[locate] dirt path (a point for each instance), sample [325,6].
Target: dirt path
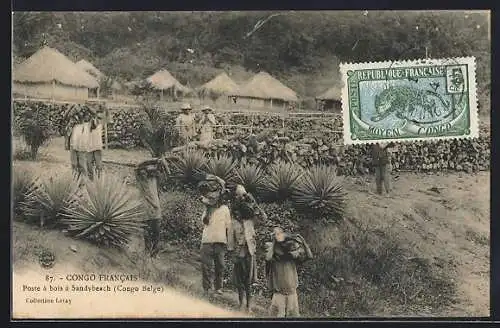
[76,257]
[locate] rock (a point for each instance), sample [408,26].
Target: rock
[73,248]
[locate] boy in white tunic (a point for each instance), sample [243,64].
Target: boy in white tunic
[95,146]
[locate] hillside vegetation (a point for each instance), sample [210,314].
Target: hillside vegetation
[303,49]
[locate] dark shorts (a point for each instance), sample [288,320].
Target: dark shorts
[244,271]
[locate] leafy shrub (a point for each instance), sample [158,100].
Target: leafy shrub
[107,213]
[188,166]
[320,193]
[222,166]
[22,182]
[181,224]
[281,181]
[251,177]
[48,198]
[35,128]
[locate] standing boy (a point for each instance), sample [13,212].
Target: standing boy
[95,146]
[282,256]
[79,140]
[245,213]
[217,227]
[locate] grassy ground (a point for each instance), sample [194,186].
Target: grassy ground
[447,228]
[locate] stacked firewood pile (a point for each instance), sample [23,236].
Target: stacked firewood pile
[303,140]
[55,112]
[123,129]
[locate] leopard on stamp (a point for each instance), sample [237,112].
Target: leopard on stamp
[409,101]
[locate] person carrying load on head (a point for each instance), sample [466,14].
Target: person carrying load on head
[283,254]
[79,142]
[245,213]
[148,174]
[186,125]
[95,144]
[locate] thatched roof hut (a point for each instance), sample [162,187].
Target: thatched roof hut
[48,73]
[330,100]
[333,93]
[89,68]
[163,80]
[264,86]
[221,85]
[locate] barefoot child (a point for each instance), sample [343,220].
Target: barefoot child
[245,212]
[282,256]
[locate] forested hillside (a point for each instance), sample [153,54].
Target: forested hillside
[301,48]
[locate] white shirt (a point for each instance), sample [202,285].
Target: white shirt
[219,226]
[80,137]
[95,142]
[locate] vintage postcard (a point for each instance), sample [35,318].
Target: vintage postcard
[224,164]
[409,100]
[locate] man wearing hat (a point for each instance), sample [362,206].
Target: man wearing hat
[186,124]
[207,123]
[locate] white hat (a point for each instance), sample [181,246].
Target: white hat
[207,109]
[186,106]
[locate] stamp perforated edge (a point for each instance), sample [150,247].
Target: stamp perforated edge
[473,104]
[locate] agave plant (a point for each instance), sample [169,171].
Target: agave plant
[251,177]
[319,191]
[48,198]
[107,213]
[22,182]
[222,166]
[189,165]
[282,180]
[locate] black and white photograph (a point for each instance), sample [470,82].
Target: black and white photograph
[250,164]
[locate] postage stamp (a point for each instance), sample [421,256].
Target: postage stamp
[427,99]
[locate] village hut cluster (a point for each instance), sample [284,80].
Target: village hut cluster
[48,74]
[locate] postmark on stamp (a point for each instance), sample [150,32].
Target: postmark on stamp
[427,99]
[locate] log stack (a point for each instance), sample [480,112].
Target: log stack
[304,140]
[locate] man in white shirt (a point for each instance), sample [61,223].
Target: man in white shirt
[216,232]
[186,125]
[79,145]
[95,145]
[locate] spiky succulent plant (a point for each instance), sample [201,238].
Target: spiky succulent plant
[108,212]
[321,193]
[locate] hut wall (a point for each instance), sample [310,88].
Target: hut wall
[251,102]
[46,90]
